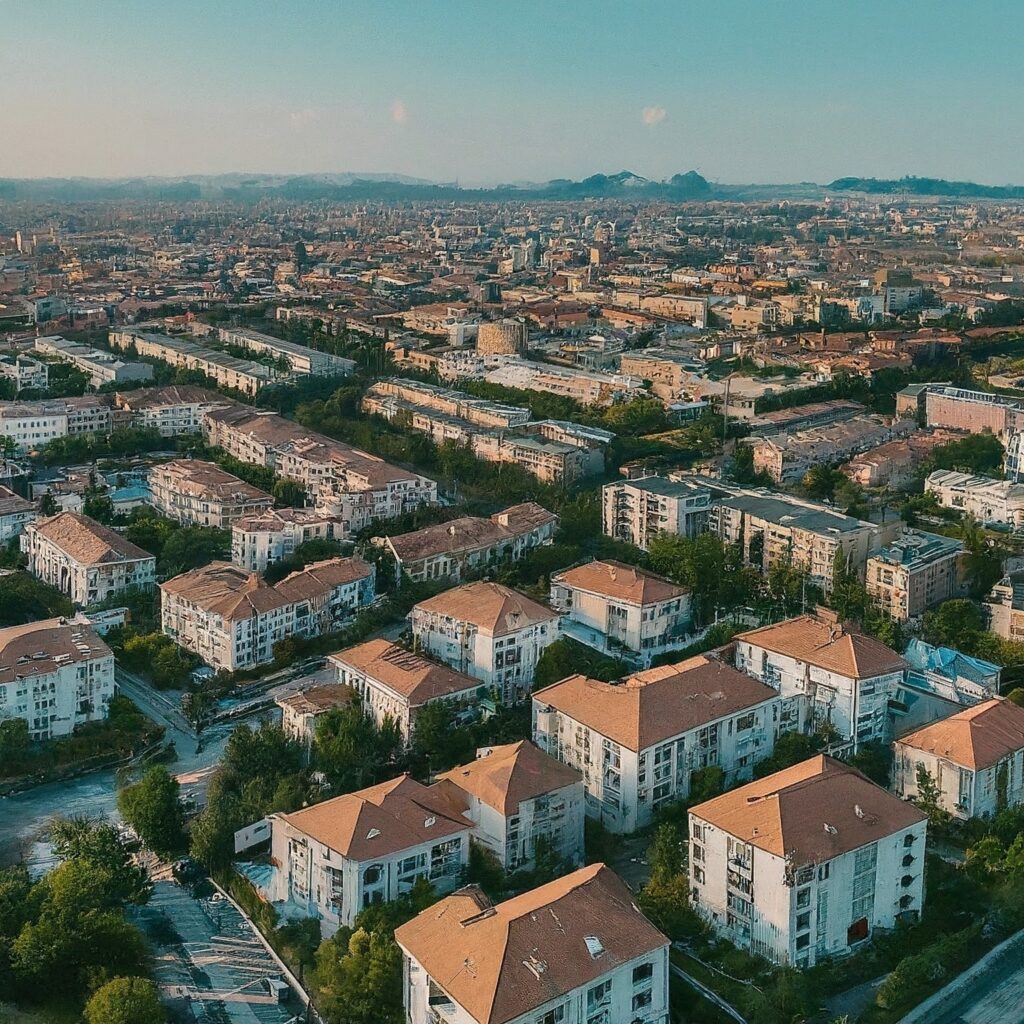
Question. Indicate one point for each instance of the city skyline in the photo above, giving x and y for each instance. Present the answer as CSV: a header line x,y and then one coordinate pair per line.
x,y
770,94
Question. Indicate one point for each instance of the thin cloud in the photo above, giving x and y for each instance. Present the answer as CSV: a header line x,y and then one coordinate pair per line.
x,y
399,112
653,115
300,118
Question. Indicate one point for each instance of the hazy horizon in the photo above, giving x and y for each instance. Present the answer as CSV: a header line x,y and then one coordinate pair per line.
x,y
766,93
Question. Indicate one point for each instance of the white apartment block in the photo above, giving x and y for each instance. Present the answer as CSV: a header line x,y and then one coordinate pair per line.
x,y
33,424
83,559
518,797
55,675
449,550
232,618
396,684
980,497
638,742
197,493
825,674
613,606
337,858
636,511
102,367
15,514
24,371
300,358
300,711
488,631
913,573
575,951
243,375
807,863
975,758
260,539
174,410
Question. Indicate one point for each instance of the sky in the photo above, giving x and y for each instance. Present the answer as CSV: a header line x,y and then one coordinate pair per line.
x,y
485,92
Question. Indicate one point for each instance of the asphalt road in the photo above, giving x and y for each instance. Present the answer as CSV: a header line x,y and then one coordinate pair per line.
x,y
995,997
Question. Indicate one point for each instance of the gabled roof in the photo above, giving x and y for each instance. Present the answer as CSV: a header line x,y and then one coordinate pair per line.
x,y
501,962
87,541
492,607
650,707
620,582
503,777
41,648
811,812
977,737
410,675
381,820
822,640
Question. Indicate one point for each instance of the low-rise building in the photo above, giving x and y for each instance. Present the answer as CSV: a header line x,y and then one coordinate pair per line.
x,y
807,863
636,511
974,759
301,711
982,498
300,359
522,803
913,573
574,951
336,858
608,603
825,673
260,539
174,410
15,514
31,425
395,684
197,493
232,618
639,742
450,550
24,371
83,559
102,367
488,631
55,675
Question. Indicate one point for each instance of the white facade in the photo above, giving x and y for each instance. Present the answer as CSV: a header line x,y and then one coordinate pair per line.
x,y
636,511
257,541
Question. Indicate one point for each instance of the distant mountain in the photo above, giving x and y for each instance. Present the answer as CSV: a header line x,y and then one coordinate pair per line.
x,y
927,187
346,185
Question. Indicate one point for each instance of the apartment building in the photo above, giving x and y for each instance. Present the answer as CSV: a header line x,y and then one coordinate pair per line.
x,y
825,672
975,758
273,534
244,375
301,711
174,410
32,424
83,559
446,401
15,514
55,675
668,372
396,684
639,742
1004,607
338,857
774,529
786,458
89,414
974,411
488,631
913,573
232,618
453,549
895,464
636,511
102,367
610,604
807,863
519,800
24,371
574,951
197,493
980,497
300,359
352,485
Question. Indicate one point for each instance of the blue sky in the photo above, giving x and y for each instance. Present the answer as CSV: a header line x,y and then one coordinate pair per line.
x,y
484,91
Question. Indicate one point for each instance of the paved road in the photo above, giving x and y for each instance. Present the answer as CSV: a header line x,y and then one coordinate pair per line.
x,y
995,997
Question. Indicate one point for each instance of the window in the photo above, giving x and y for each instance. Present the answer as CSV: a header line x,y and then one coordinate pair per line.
x,y
553,1016
803,898
643,973
642,999
803,921
745,722
803,941
823,872
599,995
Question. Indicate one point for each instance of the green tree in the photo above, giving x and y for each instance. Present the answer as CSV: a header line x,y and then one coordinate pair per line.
x,y
125,1001
153,808
98,843
929,797
790,748
289,493
359,978
1017,696
956,624
191,547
